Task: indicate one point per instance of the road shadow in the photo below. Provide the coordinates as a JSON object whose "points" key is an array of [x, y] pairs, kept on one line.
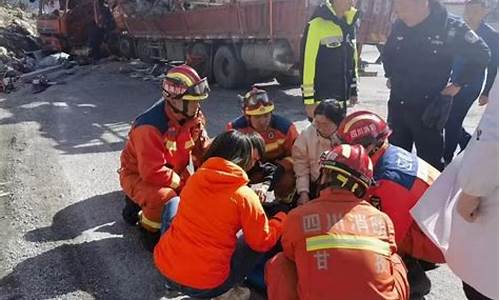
{"points": [[101, 212], [92, 112], [94, 253]]}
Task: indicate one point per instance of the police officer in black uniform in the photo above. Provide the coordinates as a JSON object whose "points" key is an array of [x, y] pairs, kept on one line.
{"points": [[417, 58]]}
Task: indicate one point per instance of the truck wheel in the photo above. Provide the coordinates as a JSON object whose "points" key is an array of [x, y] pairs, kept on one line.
{"points": [[229, 71], [126, 47], [143, 51], [199, 58]]}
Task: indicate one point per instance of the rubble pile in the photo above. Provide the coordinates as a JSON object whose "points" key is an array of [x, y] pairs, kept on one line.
{"points": [[135, 8], [17, 37]]}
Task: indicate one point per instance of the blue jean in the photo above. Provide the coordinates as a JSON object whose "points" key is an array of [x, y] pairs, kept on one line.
{"points": [[169, 212], [243, 262]]}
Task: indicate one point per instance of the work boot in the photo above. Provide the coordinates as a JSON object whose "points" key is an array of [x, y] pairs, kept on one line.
{"points": [[420, 284], [149, 239], [236, 293], [130, 212]]}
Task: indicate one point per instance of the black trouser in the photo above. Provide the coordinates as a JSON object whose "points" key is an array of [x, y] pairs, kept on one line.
{"points": [[454, 132], [472, 294], [420, 285], [407, 128]]}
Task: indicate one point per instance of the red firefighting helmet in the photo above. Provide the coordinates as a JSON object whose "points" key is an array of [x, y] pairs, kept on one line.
{"points": [[183, 82], [256, 102], [350, 165], [363, 128]]}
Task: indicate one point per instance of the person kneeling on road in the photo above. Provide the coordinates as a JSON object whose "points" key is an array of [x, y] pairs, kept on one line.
{"points": [[276, 169], [338, 245], [201, 253], [401, 180], [164, 143]]}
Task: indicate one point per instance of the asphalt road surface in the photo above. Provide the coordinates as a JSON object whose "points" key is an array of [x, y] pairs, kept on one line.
{"points": [[62, 236]]}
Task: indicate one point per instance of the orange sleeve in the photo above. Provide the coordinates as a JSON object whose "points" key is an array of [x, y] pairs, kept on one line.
{"points": [[260, 233], [291, 136], [151, 160], [287, 238]]}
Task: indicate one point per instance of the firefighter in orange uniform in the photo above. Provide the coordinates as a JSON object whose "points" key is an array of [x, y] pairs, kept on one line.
{"points": [[401, 179], [275, 170], [338, 245], [165, 144]]}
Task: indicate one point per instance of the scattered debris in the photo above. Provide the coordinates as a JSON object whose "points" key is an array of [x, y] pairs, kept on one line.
{"points": [[17, 36], [29, 76], [41, 83], [7, 78], [139, 69], [53, 59]]}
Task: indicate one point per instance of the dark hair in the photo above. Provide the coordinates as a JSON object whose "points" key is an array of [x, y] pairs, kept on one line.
{"points": [[257, 143], [332, 110], [233, 146]]}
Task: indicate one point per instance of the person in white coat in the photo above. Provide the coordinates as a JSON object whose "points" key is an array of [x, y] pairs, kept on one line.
{"points": [[459, 212]]}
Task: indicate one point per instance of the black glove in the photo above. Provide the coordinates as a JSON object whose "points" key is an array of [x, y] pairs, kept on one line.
{"points": [[261, 172], [273, 208], [278, 172], [437, 112]]}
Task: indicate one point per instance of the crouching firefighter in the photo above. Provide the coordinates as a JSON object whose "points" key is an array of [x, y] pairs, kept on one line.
{"points": [[275, 169], [338, 246], [401, 179], [164, 146]]}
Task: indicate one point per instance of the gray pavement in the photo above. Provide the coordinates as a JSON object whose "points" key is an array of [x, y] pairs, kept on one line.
{"points": [[60, 201]]}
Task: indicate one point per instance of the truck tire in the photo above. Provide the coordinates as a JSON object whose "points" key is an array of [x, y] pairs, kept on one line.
{"points": [[200, 56], [229, 71], [143, 51], [126, 47]]}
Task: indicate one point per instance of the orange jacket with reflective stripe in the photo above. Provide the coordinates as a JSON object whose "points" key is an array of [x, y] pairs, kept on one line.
{"points": [[343, 248], [401, 179], [215, 204], [158, 146], [278, 138]]}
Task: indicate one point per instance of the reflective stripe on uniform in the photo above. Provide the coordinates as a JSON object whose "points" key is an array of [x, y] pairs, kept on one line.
{"points": [[275, 145], [309, 101], [189, 144], [148, 223], [175, 181], [171, 145], [308, 90], [332, 41], [338, 241]]}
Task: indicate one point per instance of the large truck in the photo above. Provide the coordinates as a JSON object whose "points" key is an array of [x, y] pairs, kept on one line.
{"points": [[232, 42], [64, 26], [229, 42]]}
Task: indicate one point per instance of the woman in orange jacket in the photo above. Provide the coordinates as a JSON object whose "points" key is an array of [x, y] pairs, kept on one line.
{"points": [[201, 253]]}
